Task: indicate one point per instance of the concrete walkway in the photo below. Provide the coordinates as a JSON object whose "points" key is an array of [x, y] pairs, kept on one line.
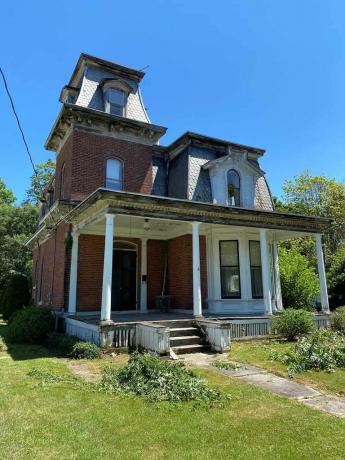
{"points": [[271, 382]]}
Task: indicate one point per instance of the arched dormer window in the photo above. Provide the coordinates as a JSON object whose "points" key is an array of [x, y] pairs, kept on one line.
{"points": [[233, 179], [115, 96], [62, 182], [114, 175]]}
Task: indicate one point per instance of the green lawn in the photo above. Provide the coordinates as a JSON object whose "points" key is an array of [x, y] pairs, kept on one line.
{"points": [[258, 352], [54, 421]]}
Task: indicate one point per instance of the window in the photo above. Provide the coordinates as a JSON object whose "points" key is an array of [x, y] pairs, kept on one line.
{"points": [[233, 188], [255, 269], [230, 270], [114, 175], [116, 102], [62, 182]]}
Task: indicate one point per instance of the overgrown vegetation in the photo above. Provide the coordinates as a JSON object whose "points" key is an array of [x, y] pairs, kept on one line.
{"points": [[156, 380], [30, 325], [322, 350], [227, 365], [298, 279], [15, 295], [338, 320], [292, 323], [85, 350]]}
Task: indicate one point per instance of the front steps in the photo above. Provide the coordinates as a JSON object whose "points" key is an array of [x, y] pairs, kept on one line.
{"points": [[186, 337]]}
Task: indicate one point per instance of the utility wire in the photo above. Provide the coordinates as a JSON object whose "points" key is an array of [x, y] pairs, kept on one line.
{"points": [[18, 122]]}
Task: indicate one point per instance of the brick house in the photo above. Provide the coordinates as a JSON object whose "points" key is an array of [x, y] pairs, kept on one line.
{"points": [[127, 219]]}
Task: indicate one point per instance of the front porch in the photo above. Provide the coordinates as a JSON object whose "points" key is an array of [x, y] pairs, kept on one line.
{"points": [[128, 250]]}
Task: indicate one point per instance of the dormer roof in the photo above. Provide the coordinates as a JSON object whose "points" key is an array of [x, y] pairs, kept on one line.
{"points": [[221, 145]]}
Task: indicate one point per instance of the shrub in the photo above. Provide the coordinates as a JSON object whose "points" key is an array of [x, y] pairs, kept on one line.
{"points": [[62, 342], [299, 282], [322, 350], [336, 277], [30, 325], [85, 350], [15, 295], [157, 380], [293, 323], [338, 320]]}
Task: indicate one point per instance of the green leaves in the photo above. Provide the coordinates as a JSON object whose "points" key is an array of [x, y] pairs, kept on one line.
{"points": [[299, 281]]}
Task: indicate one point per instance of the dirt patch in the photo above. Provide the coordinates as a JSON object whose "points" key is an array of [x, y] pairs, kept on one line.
{"points": [[81, 370]]}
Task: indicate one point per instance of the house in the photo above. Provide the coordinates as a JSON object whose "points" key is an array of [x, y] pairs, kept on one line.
{"points": [[128, 219]]}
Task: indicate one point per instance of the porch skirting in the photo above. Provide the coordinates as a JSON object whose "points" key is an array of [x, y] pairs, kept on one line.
{"points": [[153, 336]]}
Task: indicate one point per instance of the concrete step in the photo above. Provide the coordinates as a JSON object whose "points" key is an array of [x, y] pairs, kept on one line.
{"points": [[196, 348], [179, 331], [186, 340]]}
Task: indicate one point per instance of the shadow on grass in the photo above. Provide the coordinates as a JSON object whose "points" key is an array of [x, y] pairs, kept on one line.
{"points": [[26, 351]]}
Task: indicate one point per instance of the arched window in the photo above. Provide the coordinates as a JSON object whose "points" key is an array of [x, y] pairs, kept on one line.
{"points": [[233, 188], [62, 182], [114, 175], [116, 102]]}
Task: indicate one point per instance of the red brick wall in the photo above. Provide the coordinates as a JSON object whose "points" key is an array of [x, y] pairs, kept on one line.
{"points": [[64, 158], [180, 271], [85, 155], [90, 271], [51, 281], [155, 268], [179, 282]]}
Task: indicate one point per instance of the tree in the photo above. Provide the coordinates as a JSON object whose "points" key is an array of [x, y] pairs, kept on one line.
{"points": [[6, 195], [299, 282], [336, 278], [45, 173], [317, 196]]}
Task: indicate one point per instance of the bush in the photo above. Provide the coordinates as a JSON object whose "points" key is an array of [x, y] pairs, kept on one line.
{"points": [[30, 325], [157, 380], [336, 277], [85, 350], [338, 320], [299, 282], [293, 323], [62, 342], [322, 350], [15, 295]]}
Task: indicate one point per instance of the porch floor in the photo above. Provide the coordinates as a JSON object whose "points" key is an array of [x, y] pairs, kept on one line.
{"points": [[155, 316]]}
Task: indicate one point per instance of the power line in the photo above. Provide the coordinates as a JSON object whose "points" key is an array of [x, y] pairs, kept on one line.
{"points": [[18, 122]]}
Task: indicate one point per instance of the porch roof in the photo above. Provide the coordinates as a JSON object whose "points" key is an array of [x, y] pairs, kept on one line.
{"points": [[137, 204]]}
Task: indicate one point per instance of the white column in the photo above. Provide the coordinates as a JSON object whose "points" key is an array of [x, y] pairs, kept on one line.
{"points": [[322, 274], [143, 288], [266, 275], [197, 311], [107, 268], [72, 298], [277, 286]]}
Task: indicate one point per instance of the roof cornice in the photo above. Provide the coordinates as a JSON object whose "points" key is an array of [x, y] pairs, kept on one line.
{"points": [[72, 115]]}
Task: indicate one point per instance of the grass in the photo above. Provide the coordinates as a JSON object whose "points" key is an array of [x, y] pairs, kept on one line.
{"points": [[59, 420], [257, 352]]}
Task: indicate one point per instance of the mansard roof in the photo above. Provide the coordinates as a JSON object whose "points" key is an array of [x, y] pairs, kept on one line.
{"points": [[212, 142], [122, 71]]}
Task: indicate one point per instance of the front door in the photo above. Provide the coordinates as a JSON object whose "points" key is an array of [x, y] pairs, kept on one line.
{"points": [[124, 285]]}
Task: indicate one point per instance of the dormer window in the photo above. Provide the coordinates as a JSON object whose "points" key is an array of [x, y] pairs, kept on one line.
{"points": [[116, 102], [233, 180], [114, 179]]}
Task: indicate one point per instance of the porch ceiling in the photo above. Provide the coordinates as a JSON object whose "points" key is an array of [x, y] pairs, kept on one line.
{"points": [[135, 204]]}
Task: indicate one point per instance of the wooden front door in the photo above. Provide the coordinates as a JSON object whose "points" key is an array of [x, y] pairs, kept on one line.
{"points": [[124, 286]]}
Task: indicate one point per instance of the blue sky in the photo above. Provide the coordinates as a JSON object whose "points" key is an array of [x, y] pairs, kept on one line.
{"points": [[267, 73]]}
